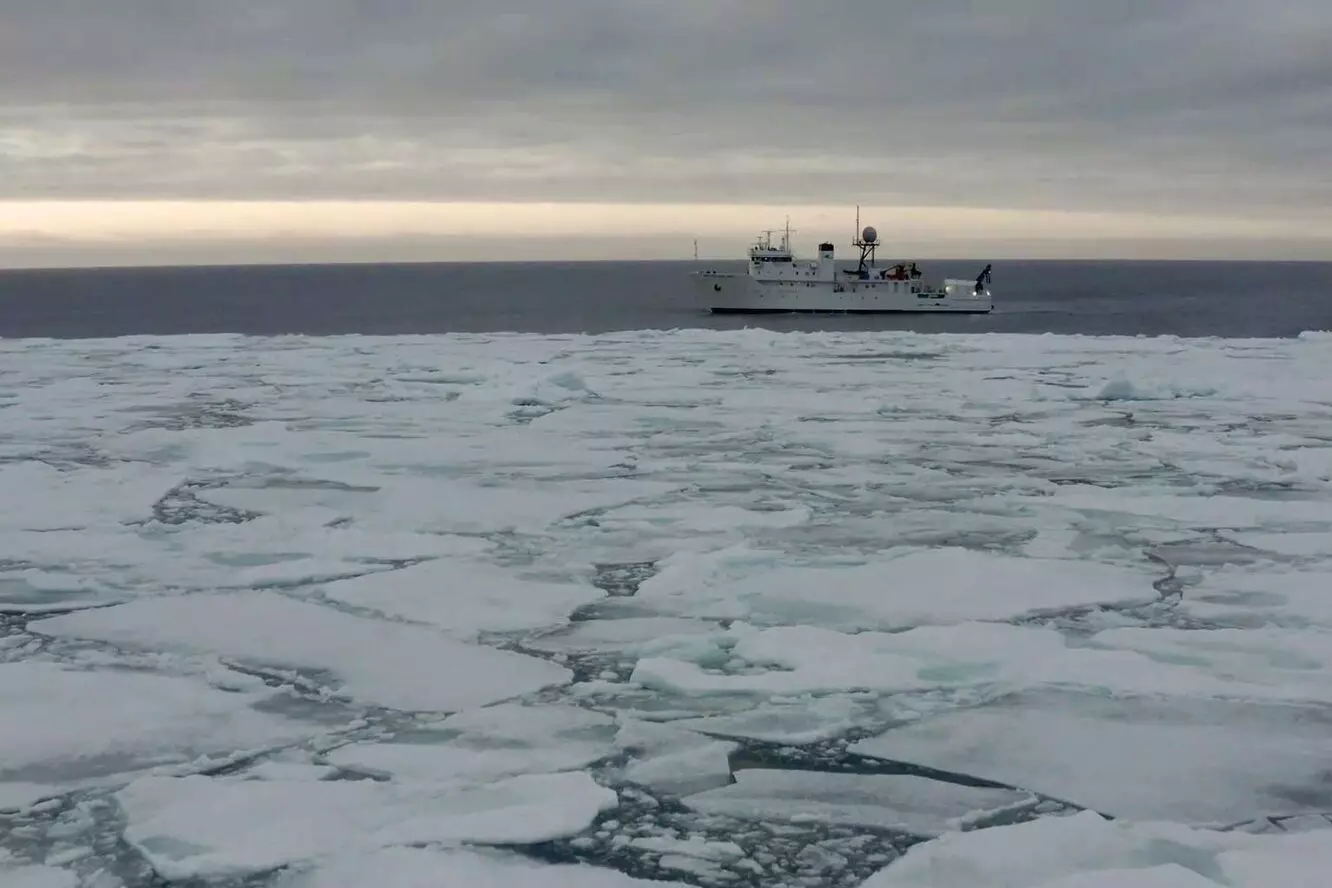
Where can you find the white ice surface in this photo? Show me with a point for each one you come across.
(479, 745)
(807, 660)
(202, 827)
(672, 759)
(915, 587)
(780, 538)
(464, 598)
(64, 724)
(36, 877)
(899, 802)
(1161, 760)
(431, 868)
(373, 661)
(1086, 851)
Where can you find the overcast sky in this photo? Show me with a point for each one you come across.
(1177, 110)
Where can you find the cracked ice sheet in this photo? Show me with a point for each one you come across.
(1297, 660)
(479, 745)
(430, 868)
(79, 497)
(797, 660)
(17, 876)
(210, 827)
(673, 760)
(465, 598)
(1202, 762)
(395, 665)
(64, 725)
(1249, 595)
(799, 720)
(1087, 851)
(452, 506)
(915, 805)
(917, 587)
(298, 547)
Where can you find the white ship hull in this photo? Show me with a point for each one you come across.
(742, 293)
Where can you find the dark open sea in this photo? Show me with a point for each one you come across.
(1229, 299)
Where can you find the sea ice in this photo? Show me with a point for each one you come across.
(848, 531)
(479, 745)
(671, 759)
(794, 720)
(1293, 598)
(1298, 661)
(374, 661)
(453, 506)
(1204, 762)
(629, 637)
(464, 598)
(797, 660)
(92, 498)
(36, 877)
(209, 828)
(1087, 851)
(915, 805)
(916, 587)
(455, 868)
(63, 723)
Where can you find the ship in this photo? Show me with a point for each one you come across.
(776, 281)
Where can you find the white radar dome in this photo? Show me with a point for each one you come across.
(869, 235)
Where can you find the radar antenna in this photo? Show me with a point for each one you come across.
(867, 239)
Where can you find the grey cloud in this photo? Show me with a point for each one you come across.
(1190, 105)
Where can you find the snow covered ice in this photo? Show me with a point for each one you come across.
(654, 609)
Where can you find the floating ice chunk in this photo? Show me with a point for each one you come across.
(465, 598)
(1120, 388)
(65, 724)
(796, 721)
(691, 769)
(430, 868)
(930, 586)
(374, 661)
(446, 506)
(429, 761)
(1289, 543)
(1294, 598)
(673, 760)
(1201, 762)
(630, 636)
(1107, 854)
(16, 796)
(1299, 661)
(275, 769)
(89, 496)
(36, 877)
(911, 804)
(1205, 508)
(1294, 861)
(201, 827)
(486, 744)
(535, 723)
(796, 660)
(1171, 875)
(700, 517)
(694, 846)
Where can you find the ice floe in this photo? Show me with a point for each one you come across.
(911, 804)
(1087, 851)
(455, 868)
(1200, 762)
(65, 724)
(206, 827)
(374, 661)
(695, 606)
